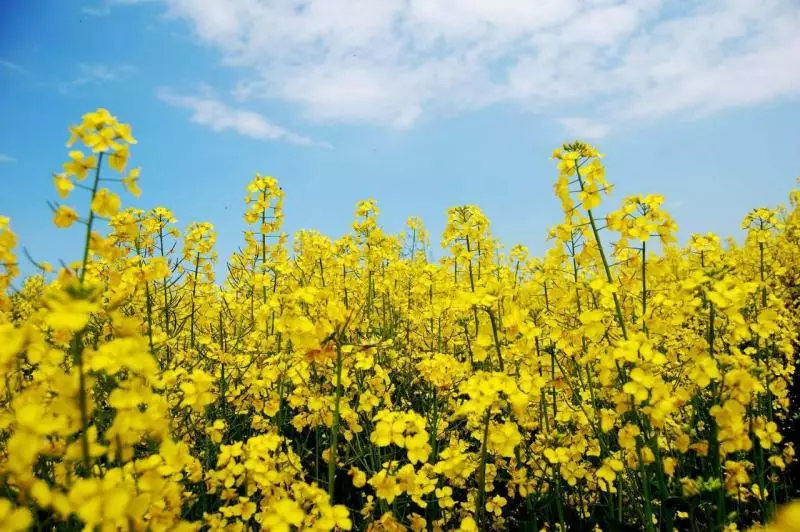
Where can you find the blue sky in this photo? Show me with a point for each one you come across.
(420, 104)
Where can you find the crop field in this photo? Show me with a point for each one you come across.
(618, 381)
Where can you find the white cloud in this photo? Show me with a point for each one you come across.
(9, 65)
(103, 10)
(87, 73)
(106, 72)
(100, 11)
(394, 61)
(7, 158)
(583, 128)
(210, 112)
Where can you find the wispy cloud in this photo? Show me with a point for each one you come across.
(87, 73)
(9, 65)
(104, 9)
(99, 11)
(584, 128)
(210, 112)
(394, 61)
(7, 158)
(99, 72)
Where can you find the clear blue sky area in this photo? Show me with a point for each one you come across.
(420, 105)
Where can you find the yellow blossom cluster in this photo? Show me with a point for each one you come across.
(354, 383)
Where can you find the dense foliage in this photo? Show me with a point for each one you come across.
(619, 380)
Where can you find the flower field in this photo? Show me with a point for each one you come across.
(618, 381)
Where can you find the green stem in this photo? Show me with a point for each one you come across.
(648, 511)
(644, 285)
(194, 303)
(493, 321)
(606, 267)
(335, 428)
(77, 341)
(480, 502)
(90, 221)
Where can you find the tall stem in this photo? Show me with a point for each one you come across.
(336, 419)
(194, 303)
(648, 511)
(90, 220)
(77, 340)
(164, 293)
(496, 336)
(480, 502)
(606, 268)
(644, 285)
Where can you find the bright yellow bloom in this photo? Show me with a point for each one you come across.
(131, 182)
(321, 372)
(767, 432)
(14, 519)
(64, 185)
(786, 520)
(607, 473)
(198, 392)
(282, 515)
(359, 477)
(105, 203)
(80, 165)
(103, 140)
(627, 436)
(65, 216)
(123, 131)
(68, 312)
(119, 158)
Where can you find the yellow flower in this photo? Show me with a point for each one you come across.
(758, 493)
(627, 436)
(592, 321)
(385, 486)
(14, 519)
(609, 368)
(131, 182)
(119, 159)
(359, 477)
(704, 371)
(76, 133)
(787, 519)
(388, 431)
(105, 203)
(607, 420)
(504, 438)
(669, 466)
(103, 140)
(64, 185)
(65, 216)
(607, 473)
(40, 492)
(199, 391)
(341, 517)
(495, 505)
(123, 131)
(445, 497)
(67, 312)
(98, 118)
(216, 430)
(559, 455)
(468, 524)
(778, 462)
(282, 515)
(682, 442)
(79, 165)
(767, 432)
